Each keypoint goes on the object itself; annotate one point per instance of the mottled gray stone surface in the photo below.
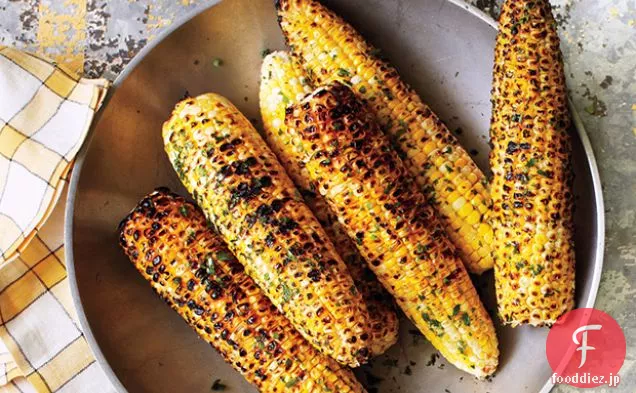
(598, 41)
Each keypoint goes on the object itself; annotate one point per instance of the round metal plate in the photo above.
(444, 50)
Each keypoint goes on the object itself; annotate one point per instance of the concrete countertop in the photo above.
(598, 38)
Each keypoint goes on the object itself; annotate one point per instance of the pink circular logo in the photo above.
(586, 348)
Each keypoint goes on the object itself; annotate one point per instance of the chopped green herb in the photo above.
(461, 345)
(184, 211)
(536, 270)
(223, 256)
(343, 72)
(375, 52)
(531, 163)
(290, 255)
(362, 89)
(448, 168)
(260, 342)
(178, 166)
(466, 319)
(217, 62)
(432, 322)
(291, 382)
(201, 171)
(265, 52)
(217, 386)
(456, 309)
(543, 173)
(516, 118)
(519, 265)
(287, 293)
(402, 130)
(286, 99)
(177, 280)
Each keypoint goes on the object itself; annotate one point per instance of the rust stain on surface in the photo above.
(61, 32)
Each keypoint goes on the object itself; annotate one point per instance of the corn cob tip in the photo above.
(145, 205)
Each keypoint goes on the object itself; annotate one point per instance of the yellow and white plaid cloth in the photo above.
(45, 113)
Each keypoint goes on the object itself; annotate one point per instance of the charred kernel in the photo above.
(265, 181)
(156, 260)
(512, 148)
(277, 205)
(200, 273)
(314, 275)
(155, 277)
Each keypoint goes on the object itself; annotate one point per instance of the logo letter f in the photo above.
(584, 347)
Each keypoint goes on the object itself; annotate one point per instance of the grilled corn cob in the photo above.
(532, 173)
(188, 265)
(248, 197)
(282, 83)
(367, 185)
(331, 50)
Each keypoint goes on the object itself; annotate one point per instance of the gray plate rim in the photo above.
(73, 185)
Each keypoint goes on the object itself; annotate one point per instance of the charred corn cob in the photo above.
(283, 83)
(367, 185)
(531, 164)
(249, 198)
(168, 241)
(331, 50)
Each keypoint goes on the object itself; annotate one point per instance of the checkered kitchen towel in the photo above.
(45, 113)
